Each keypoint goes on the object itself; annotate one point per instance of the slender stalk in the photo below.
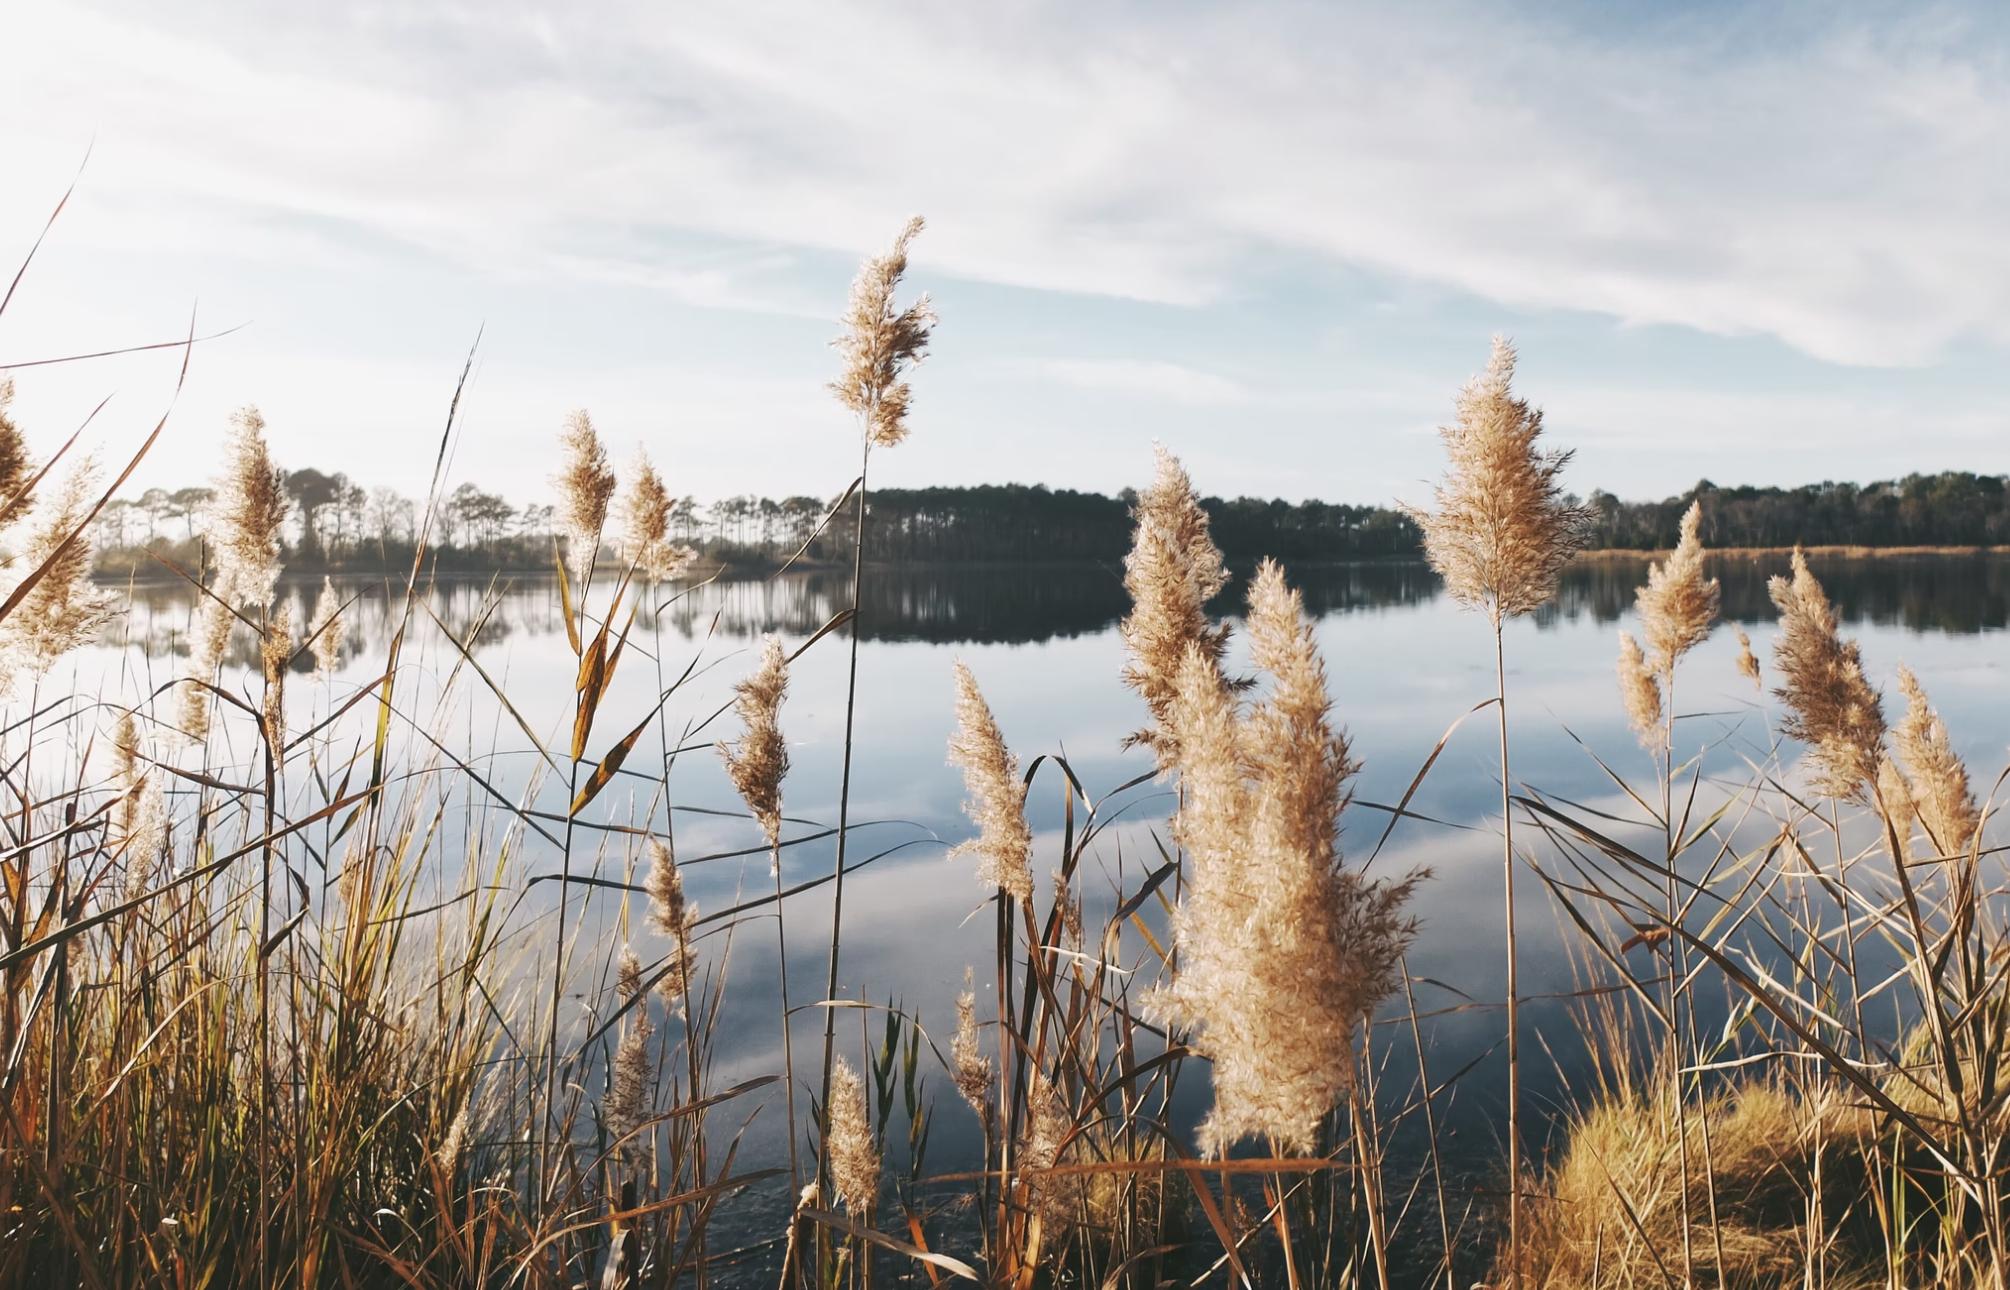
(265, 1018)
(788, 1046)
(1430, 1123)
(1678, 970)
(844, 784)
(1513, 1000)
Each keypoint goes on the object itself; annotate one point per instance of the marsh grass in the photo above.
(295, 993)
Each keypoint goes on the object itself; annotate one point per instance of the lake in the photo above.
(1404, 663)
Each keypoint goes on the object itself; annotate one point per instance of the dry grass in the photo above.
(267, 1021)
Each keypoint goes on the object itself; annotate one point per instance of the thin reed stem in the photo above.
(844, 789)
(1513, 946)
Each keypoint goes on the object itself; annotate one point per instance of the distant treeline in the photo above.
(339, 525)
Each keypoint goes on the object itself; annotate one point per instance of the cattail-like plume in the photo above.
(1748, 662)
(879, 342)
(1678, 606)
(209, 637)
(671, 914)
(329, 631)
(585, 490)
(1830, 706)
(14, 465)
(250, 509)
(1640, 690)
(997, 801)
(1282, 951)
(850, 1156)
(63, 610)
(275, 653)
(140, 819)
(645, 525)
(969, 1067)
(758, 763)
(1503, 528)
(1939, 778)
(632, 1075)
(1045, 1142)
(1172, 571)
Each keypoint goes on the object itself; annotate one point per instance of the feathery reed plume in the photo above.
(250, 507)
(329, 630)
(645, 525)
(971, 1070)
(145, 836)
(850, 1156)
(627, 1104)
(1502, 532)
(140, 819)
(585, 489)
(758, 763)
(1055, 1198)
(1172, 571)
(879, 342)
(63, 610)
(1503, 528)
(1678, 606)
(1640, 690)
(275, 652)
(671, 914)
(1831, 707)
(1939, 779)
(14, 471)
(209, 637)
(126, 768)
(1748, 662)
(1004, 842)
(1282, 952)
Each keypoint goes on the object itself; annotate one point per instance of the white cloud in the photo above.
(1145, 379)
(1837, 189)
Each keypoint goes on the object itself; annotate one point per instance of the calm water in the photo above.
(1404, 664)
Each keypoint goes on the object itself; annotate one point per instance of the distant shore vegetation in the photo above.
(335, 524)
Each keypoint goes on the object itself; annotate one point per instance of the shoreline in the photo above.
(744, 572)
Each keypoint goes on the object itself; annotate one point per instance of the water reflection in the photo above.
(1404, 663)
(1956, 594)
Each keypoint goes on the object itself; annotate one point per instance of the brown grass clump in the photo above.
(1639, 691)
(879, 341)
(1831, 707)
(1172, 571)
(1503, 529)
(1004, 842)
(1938, 777)
(760, 761)
(1282, 952)
(1615, 1209)
(850, 1155)
(585, 490)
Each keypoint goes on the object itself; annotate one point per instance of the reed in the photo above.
(1499, 533)
(280, 1007)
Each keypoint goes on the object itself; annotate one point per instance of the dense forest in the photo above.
(338, 524)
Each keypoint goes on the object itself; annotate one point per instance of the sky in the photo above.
(1754, 245)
